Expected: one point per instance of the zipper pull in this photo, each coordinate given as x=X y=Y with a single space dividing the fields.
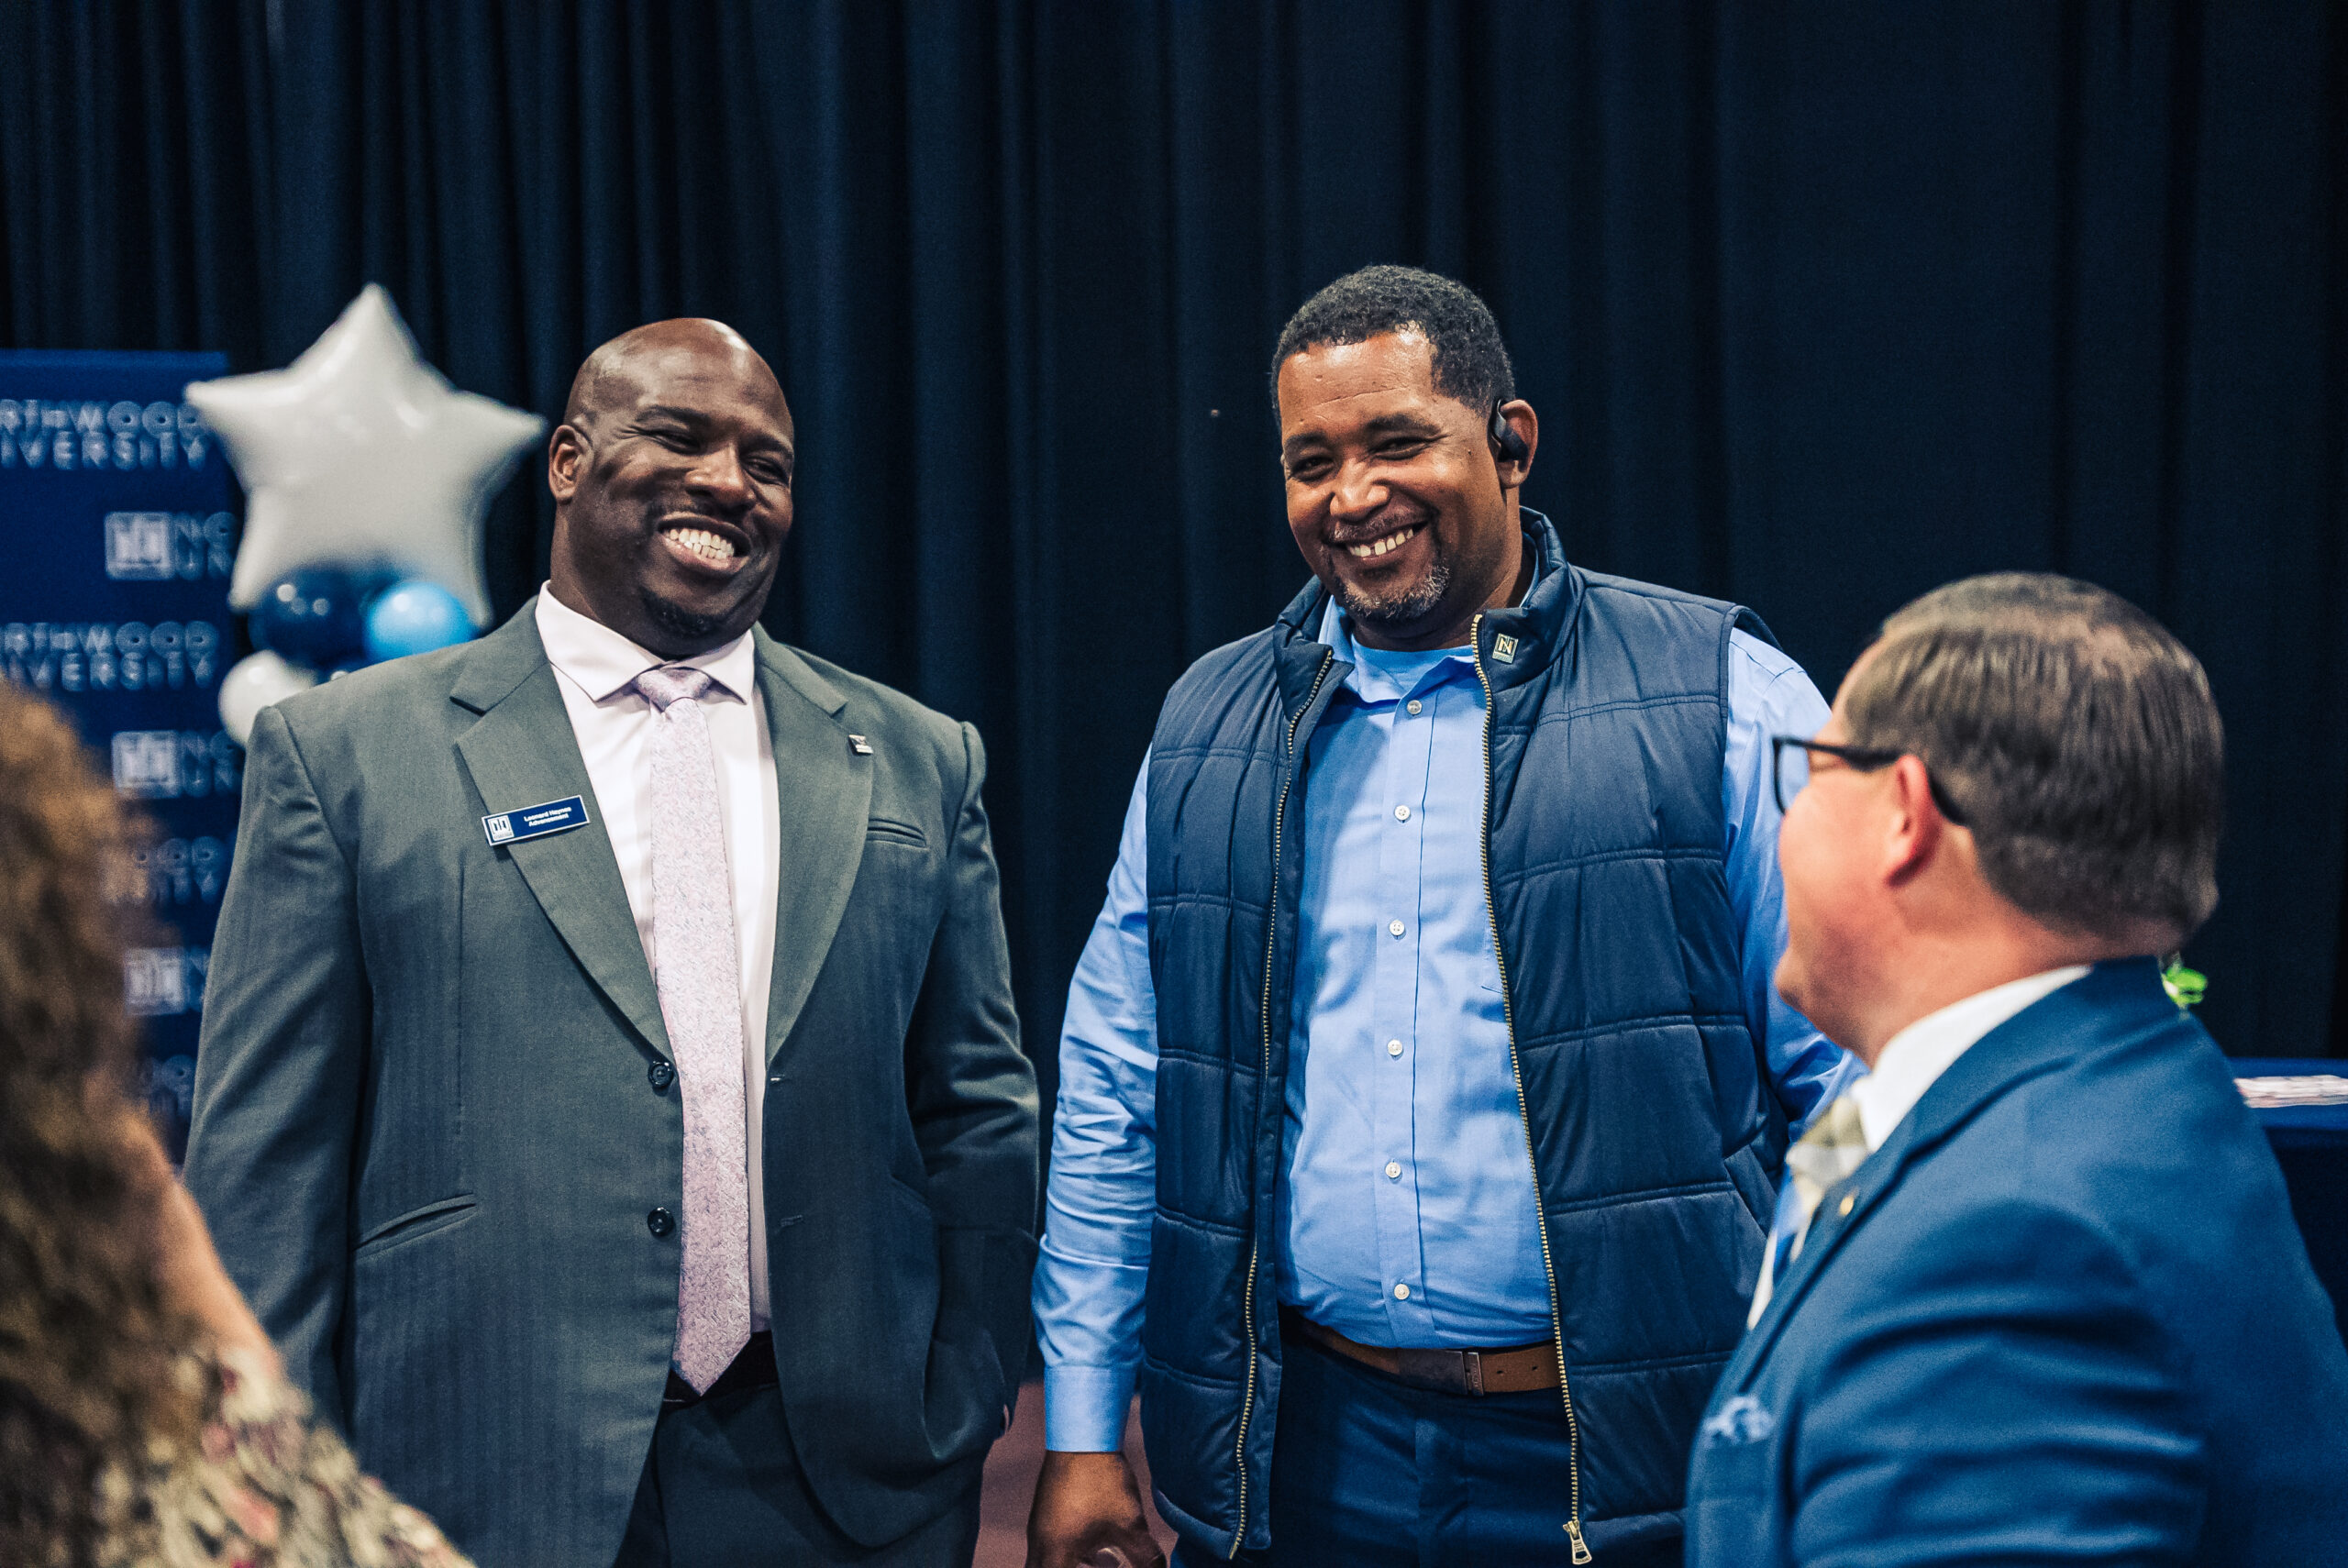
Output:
x=1581 y=1548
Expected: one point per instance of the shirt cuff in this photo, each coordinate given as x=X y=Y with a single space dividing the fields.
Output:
x=1084 y=1407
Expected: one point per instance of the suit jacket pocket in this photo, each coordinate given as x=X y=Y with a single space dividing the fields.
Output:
x=416 y=1223
x=1734 y=1510
x=887 y=830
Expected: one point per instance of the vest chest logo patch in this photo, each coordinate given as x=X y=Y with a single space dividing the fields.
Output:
x=536 y=821
x=1504 y=648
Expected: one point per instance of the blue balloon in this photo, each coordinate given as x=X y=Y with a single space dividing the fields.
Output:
x=414 y=617
x=372 y=581
x=312 y=617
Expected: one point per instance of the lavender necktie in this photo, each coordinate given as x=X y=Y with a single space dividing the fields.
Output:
x=699 y=975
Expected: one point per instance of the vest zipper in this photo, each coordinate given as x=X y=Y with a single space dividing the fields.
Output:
x=1272 y=942
x=1540 y=1217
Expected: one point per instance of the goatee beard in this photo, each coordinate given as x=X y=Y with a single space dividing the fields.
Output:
x=1398 y=612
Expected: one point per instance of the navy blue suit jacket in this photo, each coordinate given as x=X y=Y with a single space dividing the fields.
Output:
x=2062 y=1315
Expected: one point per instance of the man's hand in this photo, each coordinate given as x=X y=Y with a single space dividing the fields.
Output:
x=1087 y=1506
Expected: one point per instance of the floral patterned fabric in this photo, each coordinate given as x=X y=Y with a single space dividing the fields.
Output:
x=265 y=1489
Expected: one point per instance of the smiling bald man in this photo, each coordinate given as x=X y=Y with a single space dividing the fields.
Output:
x=610 y=1094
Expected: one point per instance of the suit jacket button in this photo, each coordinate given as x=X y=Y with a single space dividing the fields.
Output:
x=659 y=1221
x=662 y=1075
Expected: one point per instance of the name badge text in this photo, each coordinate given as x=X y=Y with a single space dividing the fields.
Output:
x=536 y=821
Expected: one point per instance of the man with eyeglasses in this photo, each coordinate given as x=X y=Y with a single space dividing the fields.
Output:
x=2035 y=1292
x=1423 y=1093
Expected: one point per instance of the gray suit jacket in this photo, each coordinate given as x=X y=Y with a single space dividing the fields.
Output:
x=427 y=1138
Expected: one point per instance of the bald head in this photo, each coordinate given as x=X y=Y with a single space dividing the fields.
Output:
x=619 y=371
x=671 y=476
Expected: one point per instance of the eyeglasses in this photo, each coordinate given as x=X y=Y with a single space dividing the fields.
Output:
x=1789 y=767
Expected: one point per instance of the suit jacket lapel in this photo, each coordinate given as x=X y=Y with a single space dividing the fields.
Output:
x=521 y=753
x=824 y=787
x=2056 y=1028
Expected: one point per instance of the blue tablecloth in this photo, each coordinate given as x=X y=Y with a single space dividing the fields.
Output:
x=2311 y=1144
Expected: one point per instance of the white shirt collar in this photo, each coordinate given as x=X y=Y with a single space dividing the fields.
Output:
x=604 y=665
x=1913 y=1059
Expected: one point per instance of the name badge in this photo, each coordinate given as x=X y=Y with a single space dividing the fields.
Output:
x=536 y=821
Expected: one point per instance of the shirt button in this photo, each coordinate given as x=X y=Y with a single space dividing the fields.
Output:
x=659 y=1221
x=1401 y=1293
x=1402 y=814
x=1413 y=705
x=1394 y=928
x=1394 y=1047
x=662 y=1075
x=1393 y=1170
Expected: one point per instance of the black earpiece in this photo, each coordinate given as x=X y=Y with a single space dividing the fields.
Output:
x=1506 y=441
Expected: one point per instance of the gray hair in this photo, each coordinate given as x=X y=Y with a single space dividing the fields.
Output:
x=2076 y=736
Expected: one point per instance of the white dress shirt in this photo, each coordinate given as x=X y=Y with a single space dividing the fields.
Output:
x=596 y=668
x=1913 y=1059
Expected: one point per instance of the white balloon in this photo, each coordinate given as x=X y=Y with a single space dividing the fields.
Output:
x=252 y=684
x=359 y=454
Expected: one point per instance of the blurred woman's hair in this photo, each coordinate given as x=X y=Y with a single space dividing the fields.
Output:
x=89 y=1378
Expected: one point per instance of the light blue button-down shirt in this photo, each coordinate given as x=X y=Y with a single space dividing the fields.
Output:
x=1406 y=1213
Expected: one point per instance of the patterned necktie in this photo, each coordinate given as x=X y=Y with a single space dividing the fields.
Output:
x=1836 y=1145
x=698 y=972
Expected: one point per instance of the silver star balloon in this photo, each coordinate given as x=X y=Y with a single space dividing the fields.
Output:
x=359 y=454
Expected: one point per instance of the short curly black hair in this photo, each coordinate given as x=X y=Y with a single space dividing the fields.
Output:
x=1470 y=361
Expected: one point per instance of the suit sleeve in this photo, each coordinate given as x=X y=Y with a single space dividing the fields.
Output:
x=971 y=1095
x=2011 y=1399
x=280 y=1063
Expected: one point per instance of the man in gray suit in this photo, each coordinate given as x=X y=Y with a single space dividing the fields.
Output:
x=610 y=1096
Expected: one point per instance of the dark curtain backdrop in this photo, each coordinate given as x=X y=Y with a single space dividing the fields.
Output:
x=1822 y=305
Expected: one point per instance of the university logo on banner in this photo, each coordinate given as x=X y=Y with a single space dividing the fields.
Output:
x=118 y=515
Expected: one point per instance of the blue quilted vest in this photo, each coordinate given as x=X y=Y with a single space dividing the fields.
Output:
x=1655 y=1138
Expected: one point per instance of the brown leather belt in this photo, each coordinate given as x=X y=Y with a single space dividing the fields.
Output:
x=1516 y=1369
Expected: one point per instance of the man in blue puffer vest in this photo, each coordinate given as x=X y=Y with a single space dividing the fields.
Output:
x=1424 y=1091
